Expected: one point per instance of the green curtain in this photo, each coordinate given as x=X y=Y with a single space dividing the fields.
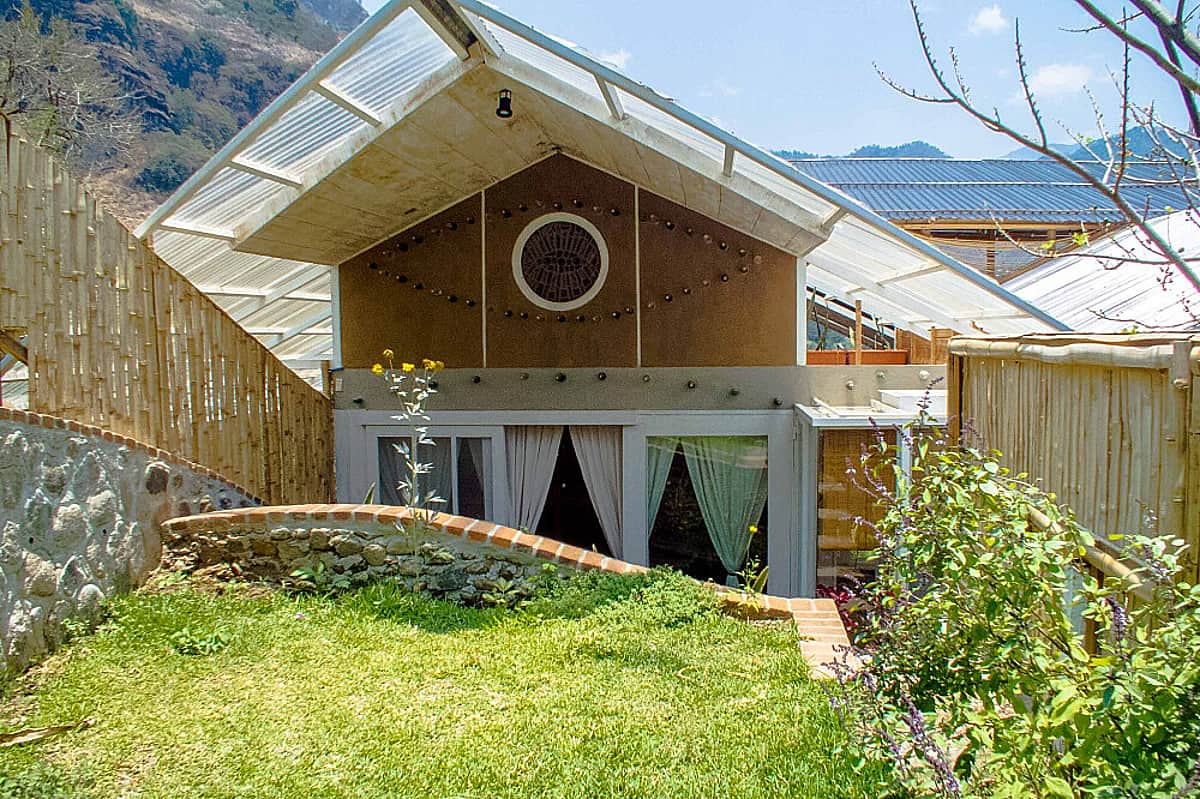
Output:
x=660 y=451
x=729 y=476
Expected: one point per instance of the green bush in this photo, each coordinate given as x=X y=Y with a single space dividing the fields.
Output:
x=973 y=679
x=171 y=161
x=37 y=781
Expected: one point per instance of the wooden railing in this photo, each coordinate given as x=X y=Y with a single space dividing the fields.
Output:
x=116 y=338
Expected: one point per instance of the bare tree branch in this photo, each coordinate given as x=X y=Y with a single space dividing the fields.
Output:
x=953 y=94
x=1141 y=46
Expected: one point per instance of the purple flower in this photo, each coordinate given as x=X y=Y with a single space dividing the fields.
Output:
x=1120 y=618
x=933 y=754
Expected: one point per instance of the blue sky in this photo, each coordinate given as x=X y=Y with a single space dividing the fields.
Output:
x=800 y=75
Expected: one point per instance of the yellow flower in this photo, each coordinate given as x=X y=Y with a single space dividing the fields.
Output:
x=753 y=529
x=407 y=367
x=428 y=364
x=377 y=369
x=388 y=354
x=439 y=366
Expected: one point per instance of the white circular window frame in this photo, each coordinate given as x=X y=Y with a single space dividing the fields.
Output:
x=519 y=250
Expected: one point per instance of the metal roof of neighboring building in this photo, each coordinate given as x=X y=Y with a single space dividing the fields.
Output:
x=397 y=121
x=923 y=189
x=1103 y=288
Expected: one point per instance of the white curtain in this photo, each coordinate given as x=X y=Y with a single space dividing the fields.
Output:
x=598 y=448
x=660 y=452
x=531 y=451
x=440 y=456
x=729 y=476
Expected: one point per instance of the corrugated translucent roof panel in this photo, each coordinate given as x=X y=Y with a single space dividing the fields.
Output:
x=362 y=85
x=392 y=63
x=1103 y=288
x=374 y=68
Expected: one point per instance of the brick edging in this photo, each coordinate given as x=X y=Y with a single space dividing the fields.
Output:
x=57 y=423
x=801 y=609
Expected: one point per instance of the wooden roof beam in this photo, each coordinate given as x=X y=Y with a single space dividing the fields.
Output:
x=283 y=291
x=198 y=230
x=339 y=98
x=13 y=346
x=611 y=99
x=929 y=270
x=457 y=43
x=266 y=173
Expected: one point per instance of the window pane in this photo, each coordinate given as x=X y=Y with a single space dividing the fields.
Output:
x=393 y=470
x=474 y=477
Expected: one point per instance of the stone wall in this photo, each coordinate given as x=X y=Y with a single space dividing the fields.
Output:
x=454 y=569
x=455 y=558
x=80 y=517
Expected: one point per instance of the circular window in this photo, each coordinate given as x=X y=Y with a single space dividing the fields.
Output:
x=560 y=261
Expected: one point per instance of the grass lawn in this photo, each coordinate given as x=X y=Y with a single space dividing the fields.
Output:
x=612 y=686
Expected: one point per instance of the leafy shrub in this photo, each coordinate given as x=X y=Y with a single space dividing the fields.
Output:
x=38 y=781
x=667 y=599
x=190 y=642
x=973 y=679
x=389 y=599
x=171 y=161
x=319 y=579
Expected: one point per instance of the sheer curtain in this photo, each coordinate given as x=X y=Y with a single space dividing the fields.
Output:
x=440 y=456
x=531 y=452
x=660 y=451
x=729 y=476
x=598 y=448
x=393 y=469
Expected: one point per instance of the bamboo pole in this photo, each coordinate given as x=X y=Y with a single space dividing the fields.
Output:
x=116 y=338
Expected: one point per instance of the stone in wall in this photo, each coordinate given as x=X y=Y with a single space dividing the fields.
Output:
x=448 y=568
x=80 y=519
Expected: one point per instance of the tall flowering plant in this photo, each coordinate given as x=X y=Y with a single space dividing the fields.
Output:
x=414 y=386
x=972 y=675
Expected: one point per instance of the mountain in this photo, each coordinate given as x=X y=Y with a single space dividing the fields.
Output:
x=912 y=149
x=1138 y=140
x=194 y=71
x=1026 y=154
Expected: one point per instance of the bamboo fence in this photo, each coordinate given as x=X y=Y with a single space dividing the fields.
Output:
x=1104 y=422
x=116 y=338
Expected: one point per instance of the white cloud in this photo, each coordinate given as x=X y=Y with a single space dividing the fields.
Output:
x=1059 y=80
x=616 y=58
x=720 y=88
x=989 y=19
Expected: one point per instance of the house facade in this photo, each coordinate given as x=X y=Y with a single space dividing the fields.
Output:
x=619 y=290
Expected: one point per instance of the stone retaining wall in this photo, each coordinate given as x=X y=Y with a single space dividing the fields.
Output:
x=457 y=558
x=80 y=516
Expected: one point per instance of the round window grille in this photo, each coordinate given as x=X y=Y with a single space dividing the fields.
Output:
x=560 y=262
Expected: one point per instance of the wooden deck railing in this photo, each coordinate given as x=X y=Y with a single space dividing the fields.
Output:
x=116 y=338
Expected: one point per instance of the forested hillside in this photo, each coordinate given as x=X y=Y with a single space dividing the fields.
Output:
x=187 y=74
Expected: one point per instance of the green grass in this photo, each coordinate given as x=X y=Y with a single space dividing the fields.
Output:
x=609 y=687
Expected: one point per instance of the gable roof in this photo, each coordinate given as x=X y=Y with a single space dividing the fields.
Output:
x=924 y=189
x=1102 y=288
x=396 y=123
